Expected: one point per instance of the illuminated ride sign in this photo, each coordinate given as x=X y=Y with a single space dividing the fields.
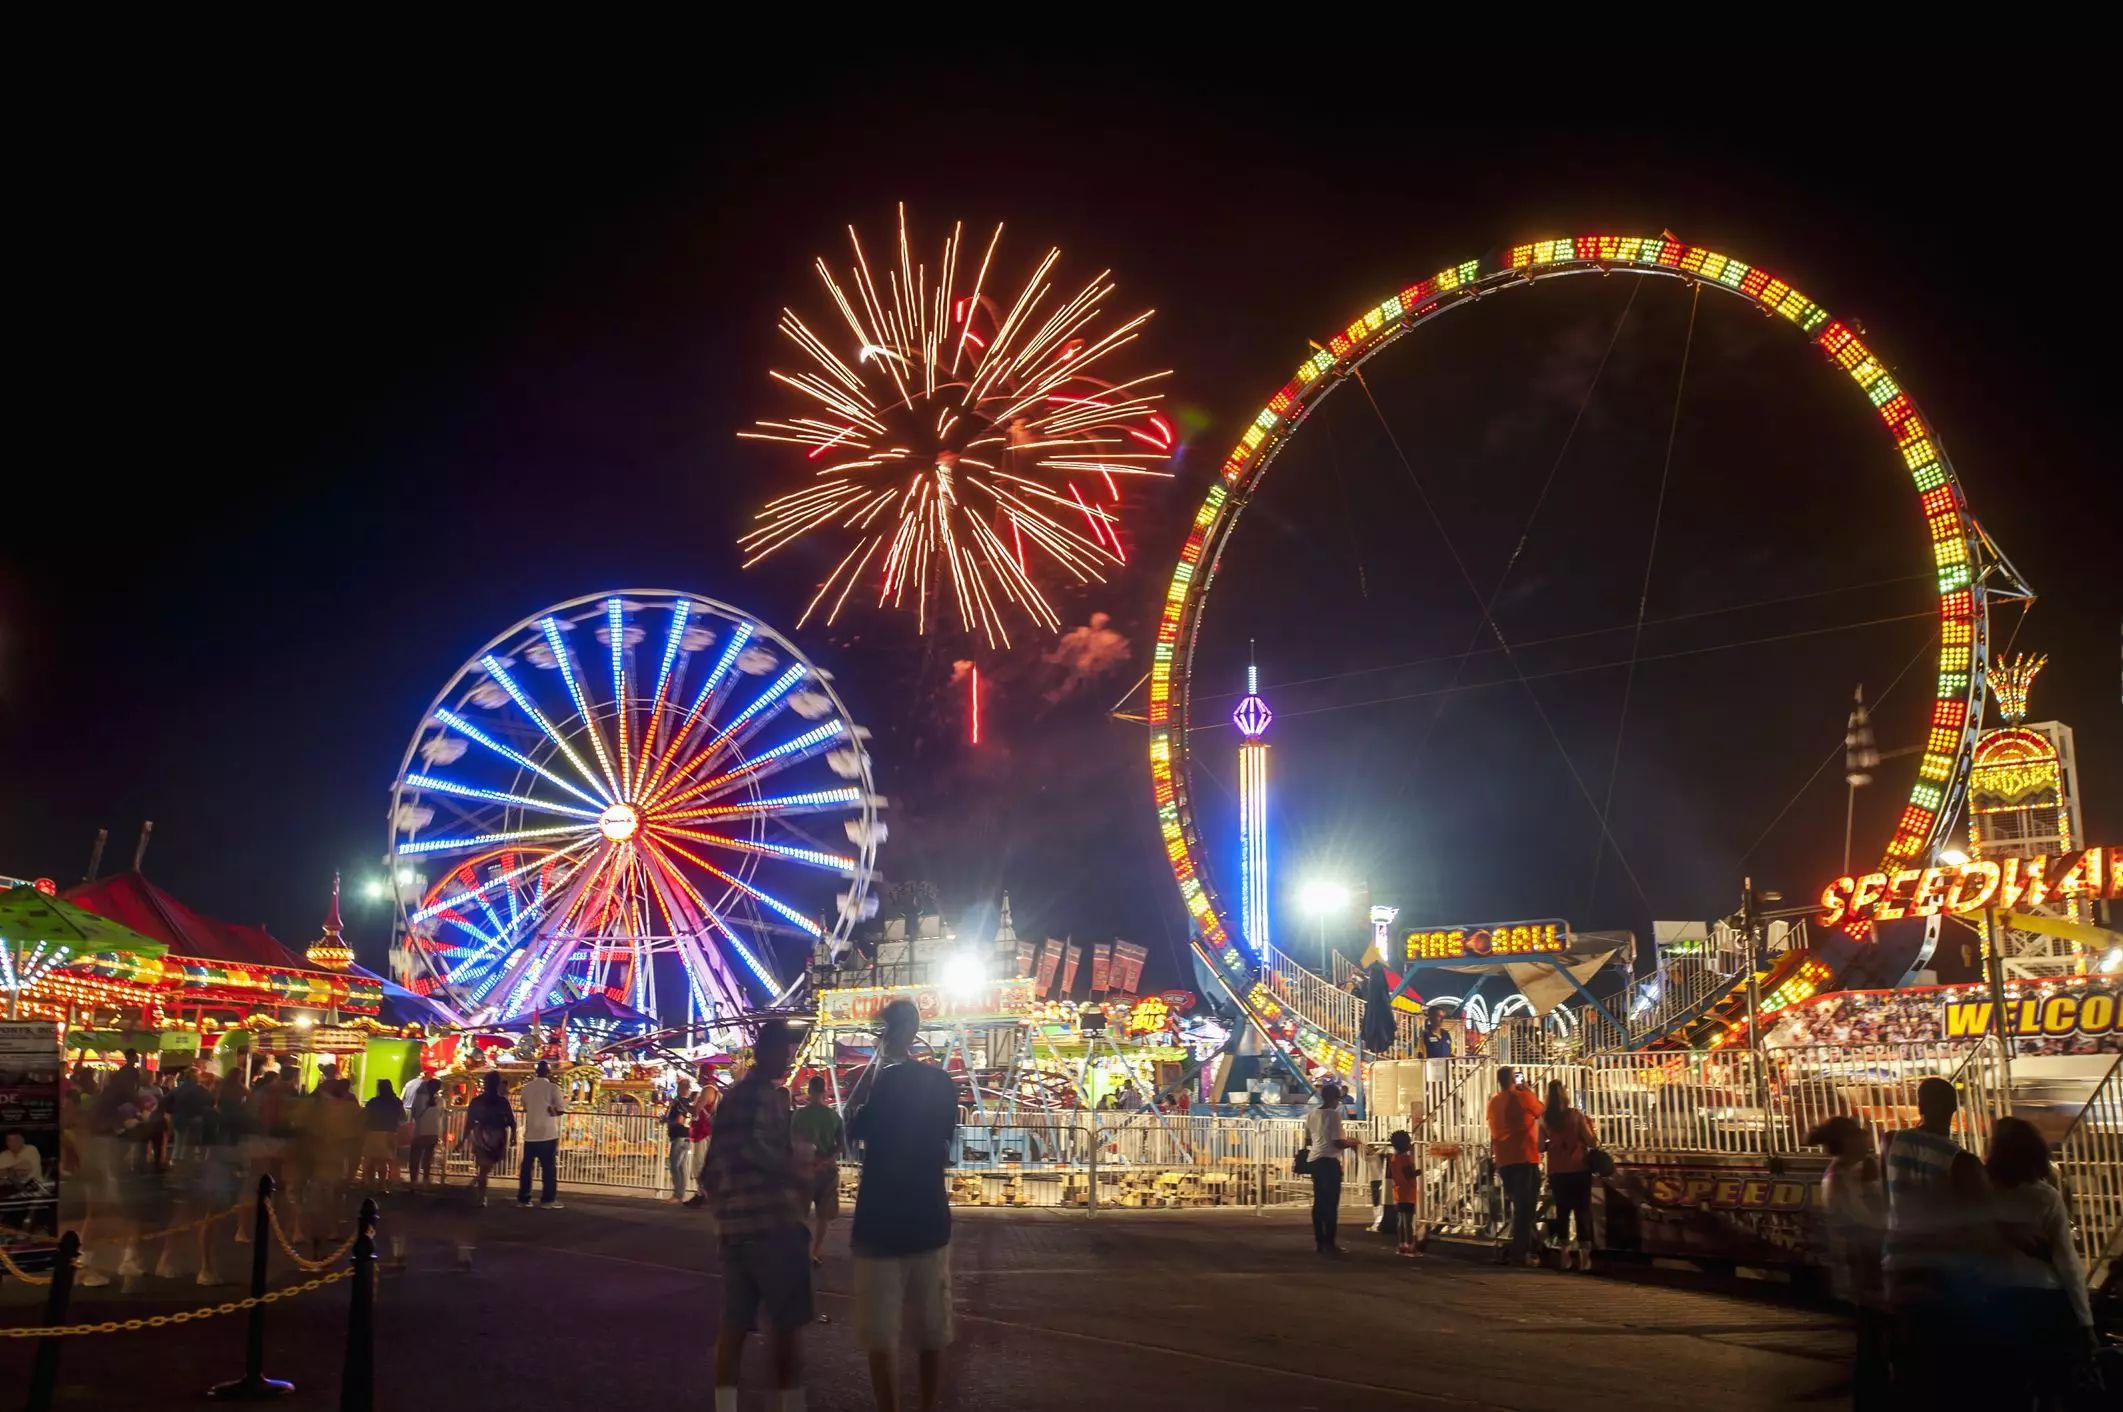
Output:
x=2004 y=883
x=1503 y=940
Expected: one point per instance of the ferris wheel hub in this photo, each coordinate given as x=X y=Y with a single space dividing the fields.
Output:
x=619 y=822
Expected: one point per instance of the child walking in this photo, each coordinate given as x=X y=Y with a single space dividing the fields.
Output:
x=1405 y=1178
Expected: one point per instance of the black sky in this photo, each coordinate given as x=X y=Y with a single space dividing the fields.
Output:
x=346 y=376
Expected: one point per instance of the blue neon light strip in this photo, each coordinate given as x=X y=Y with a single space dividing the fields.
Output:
x=471 y=732
x=438 y=845
x=779 y=850
x=438 y=908
x=508 y=683
x=498 y=796
x=1253 y=843
x=772 y=804
x=551 y=628
x=774 y=693
x=616 y=629
x=814 y=736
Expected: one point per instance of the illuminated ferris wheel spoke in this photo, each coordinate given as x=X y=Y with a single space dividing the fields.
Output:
x=707 y=977
x=534 y=963
x=780 y=805
x=616 y=619
x=564 y=662
x=703 y=909
x=471 y=732
x=501 y=879
x=504 y=945
x=465 y=791
x=774 y=904
x=680 y=616
x=755 y=716
x=702 y=711
x=439 y=845
x=508 y=683
x=765 y=765
x=810 y=857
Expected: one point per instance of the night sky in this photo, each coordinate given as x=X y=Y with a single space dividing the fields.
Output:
x=350 y=377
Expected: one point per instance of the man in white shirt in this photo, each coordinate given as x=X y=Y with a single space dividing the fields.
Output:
x=20 y=1164
x=1323 y=1129
x=542 y=1109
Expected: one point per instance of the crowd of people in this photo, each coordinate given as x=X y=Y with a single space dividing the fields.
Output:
x=1962 y=1270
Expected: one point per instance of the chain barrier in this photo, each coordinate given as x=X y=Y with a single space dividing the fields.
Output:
x=182 y=1316
x=193 y=1224
x=21 y=1274
x=302 y=1261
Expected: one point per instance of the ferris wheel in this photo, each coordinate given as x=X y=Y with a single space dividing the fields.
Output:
x=625 y=793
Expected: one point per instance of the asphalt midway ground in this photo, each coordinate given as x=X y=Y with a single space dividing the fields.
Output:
x=611 y=1304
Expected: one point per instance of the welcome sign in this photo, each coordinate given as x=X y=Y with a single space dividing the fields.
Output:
x=2067 y=1015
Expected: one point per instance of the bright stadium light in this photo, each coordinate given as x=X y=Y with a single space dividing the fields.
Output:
x=1319 y=896
x=964 y=974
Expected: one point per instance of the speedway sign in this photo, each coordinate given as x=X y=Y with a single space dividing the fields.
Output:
x=2007 y=884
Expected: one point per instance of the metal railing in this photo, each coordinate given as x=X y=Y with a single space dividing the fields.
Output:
x=2090 y=1167
x=1688 y=1104
x=1335 y=1010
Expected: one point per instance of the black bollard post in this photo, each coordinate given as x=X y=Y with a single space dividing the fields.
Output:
x=254 y=1385
x=44 y=1373
x=357 y=1381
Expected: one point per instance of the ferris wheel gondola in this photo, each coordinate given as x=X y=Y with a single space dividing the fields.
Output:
x=626 y=792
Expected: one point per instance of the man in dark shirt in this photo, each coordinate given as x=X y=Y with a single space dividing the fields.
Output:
x=677 y=1125
x=759 y=1189
x=905 y=1115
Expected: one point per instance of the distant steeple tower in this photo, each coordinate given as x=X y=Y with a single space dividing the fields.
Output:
x=1004 y=932
x=330 y=951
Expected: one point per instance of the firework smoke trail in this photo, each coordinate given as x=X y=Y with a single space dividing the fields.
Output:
x=959 y=439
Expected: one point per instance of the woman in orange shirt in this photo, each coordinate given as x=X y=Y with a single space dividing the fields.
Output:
x=1567 y=1136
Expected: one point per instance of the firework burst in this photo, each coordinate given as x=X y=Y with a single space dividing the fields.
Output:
x=963 y=441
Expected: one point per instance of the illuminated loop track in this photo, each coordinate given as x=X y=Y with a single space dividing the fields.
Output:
x=628 y=788
x=1957 y=544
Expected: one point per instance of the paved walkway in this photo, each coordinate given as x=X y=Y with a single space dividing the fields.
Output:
x=607 y=1305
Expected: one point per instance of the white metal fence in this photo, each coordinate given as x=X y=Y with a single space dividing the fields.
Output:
x=1665 y=1106
x=2090 y=1166
x=1029 y=1159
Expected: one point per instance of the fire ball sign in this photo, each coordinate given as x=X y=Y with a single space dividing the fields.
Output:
x=1503 y=939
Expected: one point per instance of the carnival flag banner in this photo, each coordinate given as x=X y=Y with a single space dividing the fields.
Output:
x=1050 y=953
x=1101 y=966
x=1024 y=957
x=1076 y=955
x=1128 y=961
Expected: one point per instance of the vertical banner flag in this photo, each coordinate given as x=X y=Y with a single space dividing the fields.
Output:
x=1024 y=957
x=1076 y=955
x=1859 y=753
x=1050 y=952
x=1128 y=961
x=1101 y=966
